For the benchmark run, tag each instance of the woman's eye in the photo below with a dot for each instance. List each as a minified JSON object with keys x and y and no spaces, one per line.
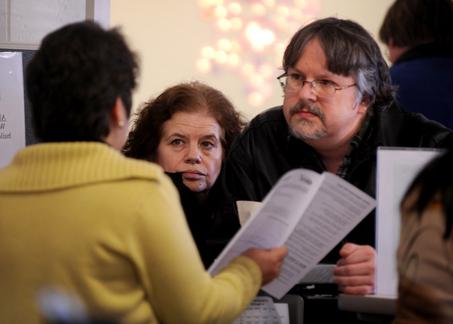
{"x":207,"y":145}
{"x":176,"y":142}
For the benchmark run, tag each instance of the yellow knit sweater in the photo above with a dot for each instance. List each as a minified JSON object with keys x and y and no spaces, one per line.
{"x":109,"y":230}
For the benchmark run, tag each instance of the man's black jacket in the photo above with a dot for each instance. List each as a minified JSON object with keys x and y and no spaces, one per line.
{"x":266,"y":150}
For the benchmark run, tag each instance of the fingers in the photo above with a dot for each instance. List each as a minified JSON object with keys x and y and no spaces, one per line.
{"x":357,"y":290}
{"x":347,"y":249}
{"x":270,"y":261}
{"x":353,"y":253}
{"x":355,"y":271}
{"x":366,"y":280}
{"x":277,"y":256}
{"x":279,"y":252}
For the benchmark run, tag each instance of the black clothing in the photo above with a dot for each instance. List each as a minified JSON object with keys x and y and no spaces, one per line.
{"x":266,"y":150}
{"x":211,"y":217}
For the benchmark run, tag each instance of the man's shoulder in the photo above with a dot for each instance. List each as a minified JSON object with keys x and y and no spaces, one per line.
{"x":271,"y":119}
{"x":415,"y":127}
{"x":273,"y":114}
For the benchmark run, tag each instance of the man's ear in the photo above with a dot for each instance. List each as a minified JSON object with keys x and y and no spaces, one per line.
{"x":118,"y":115}
{"x":118,"y":126}
{"x":364,"y":104}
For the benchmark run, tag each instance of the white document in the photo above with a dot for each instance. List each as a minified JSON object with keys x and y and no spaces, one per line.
{"x":396,"y":168}
{"x":262,"y":310}
{"x":321,"y":273}
{"x":246,"y":209}
{"x":12,"y":119}
{"x":305,"y":211}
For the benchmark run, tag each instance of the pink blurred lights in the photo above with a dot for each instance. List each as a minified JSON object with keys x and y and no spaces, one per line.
{"x":250,"y":37}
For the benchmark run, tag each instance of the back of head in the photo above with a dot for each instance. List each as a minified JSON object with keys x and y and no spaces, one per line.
{"x":189,"y":97}
{"x":74,"y":79}
{"x":409,"y":23}
{"x":350,"y":51}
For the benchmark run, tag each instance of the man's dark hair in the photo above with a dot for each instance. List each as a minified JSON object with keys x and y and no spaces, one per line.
{"x":409,"y":23}
{"x":74,"y":80}
{"x":350,"y":51}
{"x":195,"y":96}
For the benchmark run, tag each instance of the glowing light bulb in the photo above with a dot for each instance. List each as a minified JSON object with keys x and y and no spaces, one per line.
{"x":209,"y":3}
{"x":221,"y":57}
{"x":258,"y":37}
{"x":255,"y":99}
{"x":204,"y":65}
{"x":283,"y":11}
{"x":258,"y":9}
{"x":235,"y":8}
{"x":269,"y":3}
{"x":300,"y":3}
{"x":233,"y":59}
{"x":207,"y":52}
{"x":224,"y":44}
{"x":236,"y":23}
{"x":224,"y":25}
{"x":220,"y":12}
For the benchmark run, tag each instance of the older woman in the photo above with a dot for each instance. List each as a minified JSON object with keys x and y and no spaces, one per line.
{"x":76,"y":215}
{"x":188,"y":130}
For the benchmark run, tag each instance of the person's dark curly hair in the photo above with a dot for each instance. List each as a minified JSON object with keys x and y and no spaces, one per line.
{"x":74,"y":80}
{"x":195,"y":96}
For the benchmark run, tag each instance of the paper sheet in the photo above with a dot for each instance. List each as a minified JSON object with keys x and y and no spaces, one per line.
{"x":307,"y":212}
{"x":262,"y":310}
{"x":12,"y":119}
{"x":396,"y":168}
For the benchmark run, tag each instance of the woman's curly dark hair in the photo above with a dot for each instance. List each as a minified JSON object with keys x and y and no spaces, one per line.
{"x":194,"y":96}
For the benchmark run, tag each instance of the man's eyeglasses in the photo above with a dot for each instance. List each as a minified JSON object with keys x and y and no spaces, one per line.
{"x":321,"y":88}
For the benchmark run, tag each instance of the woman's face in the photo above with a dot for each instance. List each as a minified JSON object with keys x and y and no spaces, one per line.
{"x":191,"y":144}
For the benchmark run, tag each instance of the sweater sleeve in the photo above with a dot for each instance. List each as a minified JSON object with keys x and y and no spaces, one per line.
{"x":178,"y":287}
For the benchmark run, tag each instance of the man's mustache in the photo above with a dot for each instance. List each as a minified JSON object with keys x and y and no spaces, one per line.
{"x":302,"y":106}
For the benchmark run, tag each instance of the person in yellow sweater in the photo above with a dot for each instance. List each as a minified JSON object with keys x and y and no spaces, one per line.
{"x":77,"y":216}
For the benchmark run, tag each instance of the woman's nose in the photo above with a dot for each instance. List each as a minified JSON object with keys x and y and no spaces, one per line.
{"x":193,"y":155}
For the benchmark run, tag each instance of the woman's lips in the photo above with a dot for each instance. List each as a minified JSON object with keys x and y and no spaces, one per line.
{"x":193,"y":175}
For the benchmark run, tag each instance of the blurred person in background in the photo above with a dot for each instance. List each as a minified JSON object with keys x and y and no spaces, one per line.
{"x":419,"y":38}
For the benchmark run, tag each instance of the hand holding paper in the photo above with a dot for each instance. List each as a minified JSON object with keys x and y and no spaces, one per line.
{"x":269,"y":260}
{"x":305,"y":211}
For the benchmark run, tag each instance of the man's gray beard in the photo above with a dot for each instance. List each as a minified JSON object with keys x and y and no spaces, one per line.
{"x":303,"y":135}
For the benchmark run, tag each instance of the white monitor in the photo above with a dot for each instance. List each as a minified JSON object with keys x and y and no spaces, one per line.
{"x":396,"y":168}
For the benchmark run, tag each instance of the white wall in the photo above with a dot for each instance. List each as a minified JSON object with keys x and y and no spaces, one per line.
{"x":23,"y":23}
{"x":168,"y":36}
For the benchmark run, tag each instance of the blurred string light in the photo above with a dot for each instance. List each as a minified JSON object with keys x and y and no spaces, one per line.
{"x":250,"y":37}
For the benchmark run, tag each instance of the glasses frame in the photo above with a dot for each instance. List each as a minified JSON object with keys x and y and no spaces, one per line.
{"x":312,"y":86}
